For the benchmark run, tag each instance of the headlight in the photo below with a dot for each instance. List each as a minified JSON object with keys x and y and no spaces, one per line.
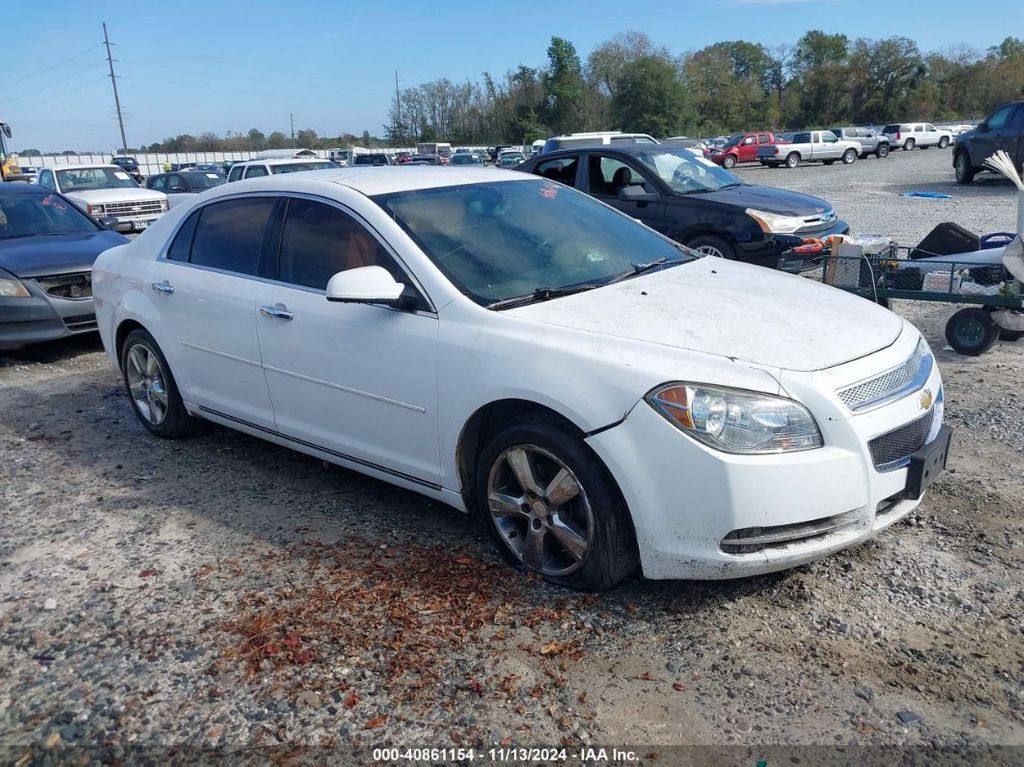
{"x":775,"y":222}
{"x":95,"y":210}
{"x":735,"y":421}
{"x":163,"y":205}
{"x":12,"y":288}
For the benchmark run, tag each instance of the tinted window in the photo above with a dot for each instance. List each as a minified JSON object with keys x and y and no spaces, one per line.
{"x":563,"y":169}
{"x":801,"y":138}
{"x":183,"y":240}
{"x":157,"y":182}
{"x":255,"y":171}
{"x":1000,"y":118}
{"x":319,"y":241}
{"x":891,"y":129}
{"x":29,"y":215}
{"x":230,"y":233}
{"x":236,"y":172}
{"x":608,"y":175}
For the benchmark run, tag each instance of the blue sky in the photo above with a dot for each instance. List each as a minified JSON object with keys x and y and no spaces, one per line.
{"x":190,"y":66}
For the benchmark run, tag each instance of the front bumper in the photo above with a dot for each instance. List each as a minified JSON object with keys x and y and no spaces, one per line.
{"x":686,"y":499}
{"x":42,"y":317}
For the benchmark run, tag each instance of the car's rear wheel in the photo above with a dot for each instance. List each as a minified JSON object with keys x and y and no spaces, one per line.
{"x":943,"y":142}
{"x":882,"y":151}
{"x":849,"y":156}
{"x":792,"y":160}
{"x":552,"y":507}
{"x":910,"y":144}
{"x":710,"y":245}
{"x":729,"y":161}
{"x":152,"y":390}
{"x":962,"y":168}
{"x":971,"y":331}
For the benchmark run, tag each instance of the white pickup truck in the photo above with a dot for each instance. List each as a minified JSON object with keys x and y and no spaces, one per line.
{"x":809,"y":146}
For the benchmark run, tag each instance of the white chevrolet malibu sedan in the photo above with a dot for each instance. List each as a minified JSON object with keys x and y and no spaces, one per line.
{"x":601,"y":397}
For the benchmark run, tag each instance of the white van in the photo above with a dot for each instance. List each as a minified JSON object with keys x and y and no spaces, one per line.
{"x":597,"y":138}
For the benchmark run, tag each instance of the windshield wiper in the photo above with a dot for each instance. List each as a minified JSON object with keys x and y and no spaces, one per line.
{"x":639,"y":269}
{"x":540,"y":294}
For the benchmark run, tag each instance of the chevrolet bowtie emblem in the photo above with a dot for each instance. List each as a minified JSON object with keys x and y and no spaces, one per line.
{"x":926,"y":399}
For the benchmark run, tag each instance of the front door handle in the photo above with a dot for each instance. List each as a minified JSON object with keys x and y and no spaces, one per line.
{"x":163,"y":287}
{"x":277,"y":312}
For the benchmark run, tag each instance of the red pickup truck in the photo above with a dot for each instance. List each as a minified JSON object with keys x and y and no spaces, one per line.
{"x":741,"y":148}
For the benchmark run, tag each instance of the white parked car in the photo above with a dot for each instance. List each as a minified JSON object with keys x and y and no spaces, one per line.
{"x":921,"y":135}
{"x":105,"y":191}
{"x":508,"y":345}
{"x":258,"y":168}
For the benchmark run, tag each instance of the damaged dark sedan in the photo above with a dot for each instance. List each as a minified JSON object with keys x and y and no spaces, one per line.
{"x":47,"y":249}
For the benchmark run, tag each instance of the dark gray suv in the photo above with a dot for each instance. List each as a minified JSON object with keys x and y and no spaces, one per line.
{"x":870,"y":141}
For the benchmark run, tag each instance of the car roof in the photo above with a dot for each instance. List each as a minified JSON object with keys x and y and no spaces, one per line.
{"x":85,"y":165}
{"x":630,"y":149}
{"x":372,"y":180}
{"x":281,"y":161}
{"x":21,"y":188}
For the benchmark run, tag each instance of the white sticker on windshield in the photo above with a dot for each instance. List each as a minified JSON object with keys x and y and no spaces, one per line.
{"x":120,"y":175}
{"x":211,"y":175}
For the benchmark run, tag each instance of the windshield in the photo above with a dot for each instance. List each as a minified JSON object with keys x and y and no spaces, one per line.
{"x":88,"y":179}
{"x":204,"y":180}
{"x":506,"y":239}
{"x":295,"y":167}
{"x":685,"y":172}
{"x":733,"y":140}
{"x":26,"y":215}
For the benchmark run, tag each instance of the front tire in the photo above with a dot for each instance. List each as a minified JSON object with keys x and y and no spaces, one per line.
{"x":849,"y":156}
{"x":729,"y":162}
{"x":710,"y":245}
{"x":943,"y":142}
{"x":962,"y":168}
{"x":552,"y":507}
{"x":152,"y":390}
{"x":793,"y":160}
{"x":882,"y":152}
{"x":971,"y":331}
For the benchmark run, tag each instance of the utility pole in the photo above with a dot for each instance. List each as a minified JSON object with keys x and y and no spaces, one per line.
{"x":292,"y":118}
{"x":113,"y":82}
{"x":398,"y":106}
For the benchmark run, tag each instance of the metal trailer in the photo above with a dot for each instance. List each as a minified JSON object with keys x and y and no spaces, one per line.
{"x":990,"y":294}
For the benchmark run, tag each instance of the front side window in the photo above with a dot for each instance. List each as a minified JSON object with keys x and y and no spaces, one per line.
{"x":828,"y":137}
{"x":229,"y":234}
{"x":686,"y":173}
{"x":26,"y":215}
{"x":159,"y":183}
{"x":319,"y":241}
{"x":509,"y":239}
{"x":236,"y":172}
{"x":1000,"y":118}
{"x":89,"y":179}
{"x":562,"y":170}
{"x":608,"y":175}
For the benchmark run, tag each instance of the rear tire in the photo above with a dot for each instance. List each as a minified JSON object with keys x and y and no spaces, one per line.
{"x":909,"y":145}
{"x":849,"y":156}
{"x":574,"y":531}
{"x":971,"y":331}
{"x":793,"y":160}
{"x":962,"y":167}
{"x":152,"y":390}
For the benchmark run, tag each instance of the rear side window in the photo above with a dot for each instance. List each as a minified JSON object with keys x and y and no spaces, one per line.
{"x":254,"y":171}
{"x":235,"y":173}
{"x":230,"y":233}
{"x":183,"y":240}
{"x":801,"y":138}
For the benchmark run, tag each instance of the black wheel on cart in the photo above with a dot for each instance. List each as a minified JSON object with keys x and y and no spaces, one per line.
{"x":971,"y":331}
{"x":1010,"y":335}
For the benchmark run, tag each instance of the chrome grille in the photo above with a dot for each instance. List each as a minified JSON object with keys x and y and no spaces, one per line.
{"x":70,"y":286}
{"x":892,"y":450}
{"x":892,"y":384}
{"x":147,"y":207}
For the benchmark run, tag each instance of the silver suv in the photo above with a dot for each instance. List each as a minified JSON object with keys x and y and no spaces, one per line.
{"x":870,"y":141}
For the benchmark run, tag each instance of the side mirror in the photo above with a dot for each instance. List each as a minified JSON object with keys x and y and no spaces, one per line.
{"x":109,"y":222}
{"x":983,"y":127}
{"x":636,"y":193}
{"x":365,"y":285}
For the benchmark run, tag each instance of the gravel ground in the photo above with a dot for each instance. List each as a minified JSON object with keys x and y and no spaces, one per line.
{"x":225,"y":592}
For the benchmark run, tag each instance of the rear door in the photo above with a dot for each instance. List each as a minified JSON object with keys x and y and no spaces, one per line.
{"x":204,"y":288}
{"x":606,"y":174}
{"x":357,"y":380}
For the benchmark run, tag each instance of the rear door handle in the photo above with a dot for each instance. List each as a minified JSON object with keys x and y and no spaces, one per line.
{"x":277,"y":312}
{"x":163,"y":287}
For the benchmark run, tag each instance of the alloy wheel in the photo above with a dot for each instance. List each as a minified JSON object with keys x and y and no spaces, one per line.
{"x":147,"y":383}
{"x":710,"y":250}
{"x":540,"y":510}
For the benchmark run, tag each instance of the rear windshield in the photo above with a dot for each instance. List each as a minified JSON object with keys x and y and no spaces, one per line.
{"x":891,"y":129}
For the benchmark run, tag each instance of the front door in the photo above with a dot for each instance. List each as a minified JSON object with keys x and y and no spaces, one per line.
{"x":606,"y":175}
{"x":357,"y":380}
{"x":205,"y":292}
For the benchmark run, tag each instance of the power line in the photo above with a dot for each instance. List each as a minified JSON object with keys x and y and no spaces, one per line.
{"x":33,"y":92}
{"x":53,"y":66}
{"x":113,"y":82}
{"x":76,"y":89}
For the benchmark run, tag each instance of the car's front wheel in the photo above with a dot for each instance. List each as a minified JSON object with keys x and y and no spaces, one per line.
{"x":151,"y":387}
{"x":710,"y":245}
{"x":882,"y":152}
{"x":729,"y":162}
{"x":943,"y":142}
{"x":962,"y":168}
{"x":552,"y":508}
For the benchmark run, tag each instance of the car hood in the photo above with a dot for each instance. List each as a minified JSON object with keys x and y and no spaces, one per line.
{"x":55,"y":253}
{"x":768,"y":199}
{"x":731,"y":310}
{"x":124,"y":194}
